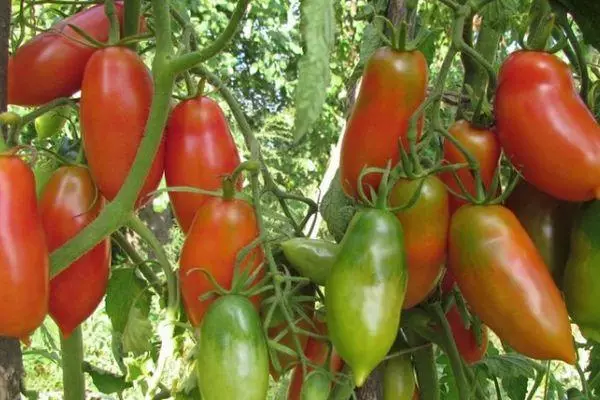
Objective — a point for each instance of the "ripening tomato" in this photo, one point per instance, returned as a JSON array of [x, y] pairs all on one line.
[[221, 229], [545, 128], [115, 103], [51, 64], [483, 145], [24, 262], [69, 202], [466, 339], [425, 227], [503, 278], [199, 151], [393, 86], [317, 351]]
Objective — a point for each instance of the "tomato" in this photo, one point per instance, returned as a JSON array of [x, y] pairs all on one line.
[[545, 128], [503, 278], [582, 274], [398, 379], [51, 64], [232, 361], [317, 351], [24, 263], [548, 222], [68, 204], [425, 227], [312, 258], [199, 152], [483, 145], [221, 229], [52, 122], [365, 291], [115, 103], [394, 84]]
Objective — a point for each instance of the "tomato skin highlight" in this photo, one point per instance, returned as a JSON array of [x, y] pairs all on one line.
[[483, 145], [545, 128], [548, 221], [51, 64], [70, 202], [393, 86], [365, 291], [24, 261], [503, 278], [316, 351], [582, 275], [220, 230], [425, 227], [113, 119], [398, 379], [199, 151], [233, 360]]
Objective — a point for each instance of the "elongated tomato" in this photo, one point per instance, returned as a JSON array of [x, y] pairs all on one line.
[[393, 86], [483, 145], [70, 201], [23, 252], [503, 278], [545, 128], [115, 103], [199, 152], [51, 64], [221, 229]]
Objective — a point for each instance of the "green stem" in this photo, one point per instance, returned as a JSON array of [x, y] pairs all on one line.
[[584, 385], [72, 366], [425, 367], [115, 29], [3, 145], [456, 363], [541, 23], [583, 71], [190, 60], [132, 18]]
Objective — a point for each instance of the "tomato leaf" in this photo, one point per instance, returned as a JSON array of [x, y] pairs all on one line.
[[107, 382], [337, 209], [317, 25], [586, 13], [511, 365], [516, 388], [593, 368]]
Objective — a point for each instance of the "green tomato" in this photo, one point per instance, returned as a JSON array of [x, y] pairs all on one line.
[[233, 360], [52, 122], [398, 379], [312, 258], [316, 386], [581, 282], [365, 291]]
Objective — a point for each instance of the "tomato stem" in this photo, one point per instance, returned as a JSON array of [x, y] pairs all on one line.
[[72, 365], [111, 14], [132, 19]]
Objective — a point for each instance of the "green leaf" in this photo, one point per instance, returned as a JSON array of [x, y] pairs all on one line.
[[107, 382], [128, 306], [512, 365], [317, 25], [516, 388], [587, 14], [500, 13], [593, 367], [337, 209]]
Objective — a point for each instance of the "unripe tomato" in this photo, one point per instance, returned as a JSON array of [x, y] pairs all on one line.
[[484, 146], [221, 229], [51, 64], [52, 122], [115, 103], [545, 128], [199, 151], [393, 86], [425, 227], [398, 379], [24, 262], [70, 201]]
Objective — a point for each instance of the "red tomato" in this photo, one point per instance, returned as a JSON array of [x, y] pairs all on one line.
[[69, 202], [24, 263], [51, 64], [316, 351], [425, 227], [465, 339], [503, 278], [115, 103], [393, 86], [199, 152], [483, 146], [545, 128], [221, 228]]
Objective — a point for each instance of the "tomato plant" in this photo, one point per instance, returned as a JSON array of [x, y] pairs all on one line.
[[68, 203]]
